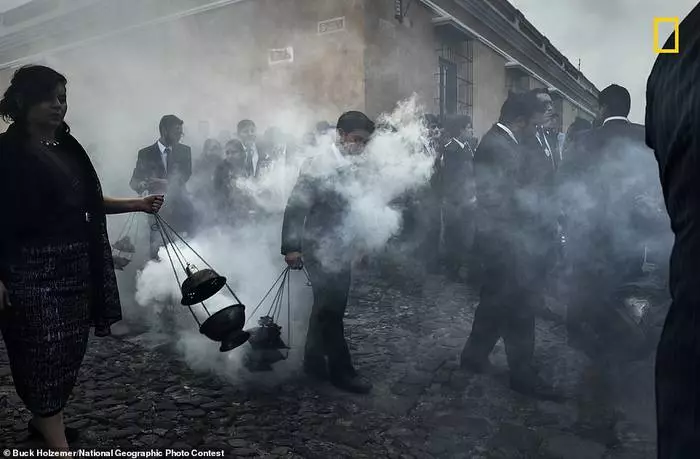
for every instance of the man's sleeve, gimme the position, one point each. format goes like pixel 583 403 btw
pixel 187 166
pixel 489 178
pixel 138 178
pixel 298 206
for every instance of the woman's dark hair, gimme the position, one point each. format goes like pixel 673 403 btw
pixel 30 85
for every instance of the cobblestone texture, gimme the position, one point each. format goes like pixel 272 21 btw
pixel 423 406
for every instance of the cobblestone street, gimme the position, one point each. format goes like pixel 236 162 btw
pixel 423 406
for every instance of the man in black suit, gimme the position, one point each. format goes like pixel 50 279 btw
pixel 426 211
pixel 165 167
pixel 506 298
pixel 314 225
pixel 458 193
pixel 257 157
pixel 672 114
pixel 544 159
pixel 600 184
pixel 546 133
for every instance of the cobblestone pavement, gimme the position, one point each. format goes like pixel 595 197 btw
pixel 423 406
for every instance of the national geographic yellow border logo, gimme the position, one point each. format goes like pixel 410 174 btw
pixel 676 42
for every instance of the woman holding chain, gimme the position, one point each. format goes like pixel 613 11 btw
pixel 56 273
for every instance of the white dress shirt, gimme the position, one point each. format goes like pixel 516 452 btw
pixel 252 151
pixel 461 145
pixel 163 155
pixel 508 131
pixel 611 118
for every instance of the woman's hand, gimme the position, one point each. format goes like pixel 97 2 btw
pixel 151 204
pixel 4 297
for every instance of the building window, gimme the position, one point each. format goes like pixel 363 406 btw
pixel 455 76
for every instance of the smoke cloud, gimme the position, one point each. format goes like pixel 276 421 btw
pixel 393 163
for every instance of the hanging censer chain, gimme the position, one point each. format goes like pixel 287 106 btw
pixel 286 270
pixel 165 224
pixel 275 310
pixel 169 244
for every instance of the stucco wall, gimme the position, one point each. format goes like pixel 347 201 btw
pixel 400 58
pixel 489 87
pixel 214 67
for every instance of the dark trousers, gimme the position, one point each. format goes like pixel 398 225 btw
pixel 422 225
pixel 458 235
pixel 505 308
pixel 678 383
pixel 326 336
pixel 590 328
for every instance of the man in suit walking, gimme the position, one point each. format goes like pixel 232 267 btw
pixel 314 225
pixel 506 306
pixel 672 114
pixel 599 186
pixel 165 167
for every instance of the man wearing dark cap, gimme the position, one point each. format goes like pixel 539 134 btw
pixel 165 167
pixel 314 226
pixel 672 114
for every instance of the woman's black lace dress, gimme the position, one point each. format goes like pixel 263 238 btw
pixel 55 260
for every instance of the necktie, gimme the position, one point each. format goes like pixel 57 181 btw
pixel 249 163
pixel 166 155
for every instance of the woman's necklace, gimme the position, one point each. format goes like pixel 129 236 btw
pixel 49 143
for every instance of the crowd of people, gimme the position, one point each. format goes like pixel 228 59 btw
pixel 515 208
pixel 518 209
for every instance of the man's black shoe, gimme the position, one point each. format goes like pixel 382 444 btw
pixel 353 384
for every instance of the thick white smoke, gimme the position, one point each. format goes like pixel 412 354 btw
pixel 249 254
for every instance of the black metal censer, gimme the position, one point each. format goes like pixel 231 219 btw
pixel 124 249
pixel 266 343
pixel 224 326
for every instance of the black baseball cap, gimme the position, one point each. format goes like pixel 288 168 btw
pixel 355 121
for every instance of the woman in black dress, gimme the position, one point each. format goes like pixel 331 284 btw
pixel 56 273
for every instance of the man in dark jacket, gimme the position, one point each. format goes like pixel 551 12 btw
pixel 165 167
pixel 600 184
pixel 540 170
pixel 257 155
pixel 458 193
pixel 673 111
pixel 313 224
pixel 506 298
